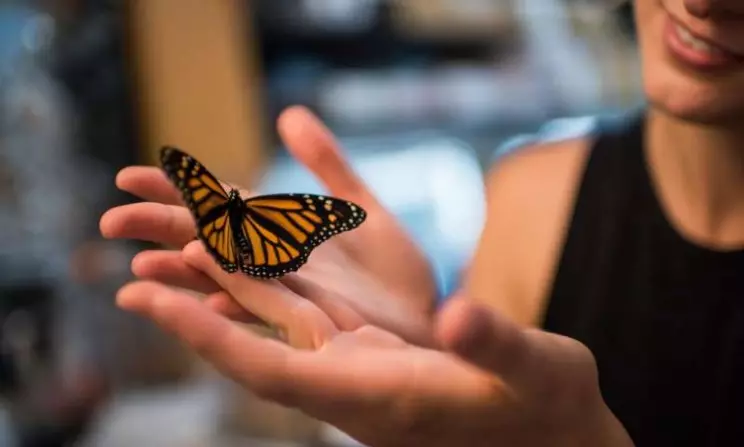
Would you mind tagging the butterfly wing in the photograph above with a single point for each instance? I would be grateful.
(281, 230)
(208, 202)
(218, 237)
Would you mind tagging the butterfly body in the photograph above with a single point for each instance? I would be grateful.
(233, 209)
(265, 236)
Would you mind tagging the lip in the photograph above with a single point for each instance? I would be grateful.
(698, 59)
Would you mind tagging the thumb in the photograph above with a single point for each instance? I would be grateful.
(313, 145)
(488, 340)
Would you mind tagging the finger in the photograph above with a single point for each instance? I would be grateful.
(313, 144)
(168, 267)
(488, 340)
(306, 325)
(344, 317)
(154, 222)
(149, 183)
(269, 368)
(258, 363)
(224, 304)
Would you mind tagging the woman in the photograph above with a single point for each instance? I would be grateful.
(630, 244)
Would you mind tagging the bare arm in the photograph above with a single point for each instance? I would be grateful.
(530, 195)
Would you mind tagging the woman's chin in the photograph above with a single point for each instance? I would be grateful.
(696, 113)
(696, 102)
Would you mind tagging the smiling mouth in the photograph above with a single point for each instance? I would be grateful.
(700, 44)
(696, 52)
(696, 43)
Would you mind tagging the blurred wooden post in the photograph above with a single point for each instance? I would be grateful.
(197, 82)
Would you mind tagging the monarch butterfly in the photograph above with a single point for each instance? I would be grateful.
(265, 236)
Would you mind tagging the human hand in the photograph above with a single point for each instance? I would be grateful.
(389, 284)
(500, 384)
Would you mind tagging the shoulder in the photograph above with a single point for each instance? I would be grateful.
(562, 141)
(546, 164)
(530, 192)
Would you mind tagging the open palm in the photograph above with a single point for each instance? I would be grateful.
(353, 277)
(502, 386)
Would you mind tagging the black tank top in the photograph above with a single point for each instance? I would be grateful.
(663, 316)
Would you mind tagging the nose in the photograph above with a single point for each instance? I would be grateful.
(706, 8)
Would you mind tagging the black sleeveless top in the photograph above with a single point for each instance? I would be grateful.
(663, 316)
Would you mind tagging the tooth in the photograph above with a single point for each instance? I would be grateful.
(694, 42)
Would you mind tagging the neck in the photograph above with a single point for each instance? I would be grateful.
(699, 174)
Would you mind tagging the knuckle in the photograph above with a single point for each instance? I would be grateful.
(177, 224)
(326, 154)
(170, 220)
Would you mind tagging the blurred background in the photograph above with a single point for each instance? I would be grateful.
(423, 94)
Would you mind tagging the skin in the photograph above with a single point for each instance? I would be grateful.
(694, 152)
(361, 351)
(396, 273)
(365, 352)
